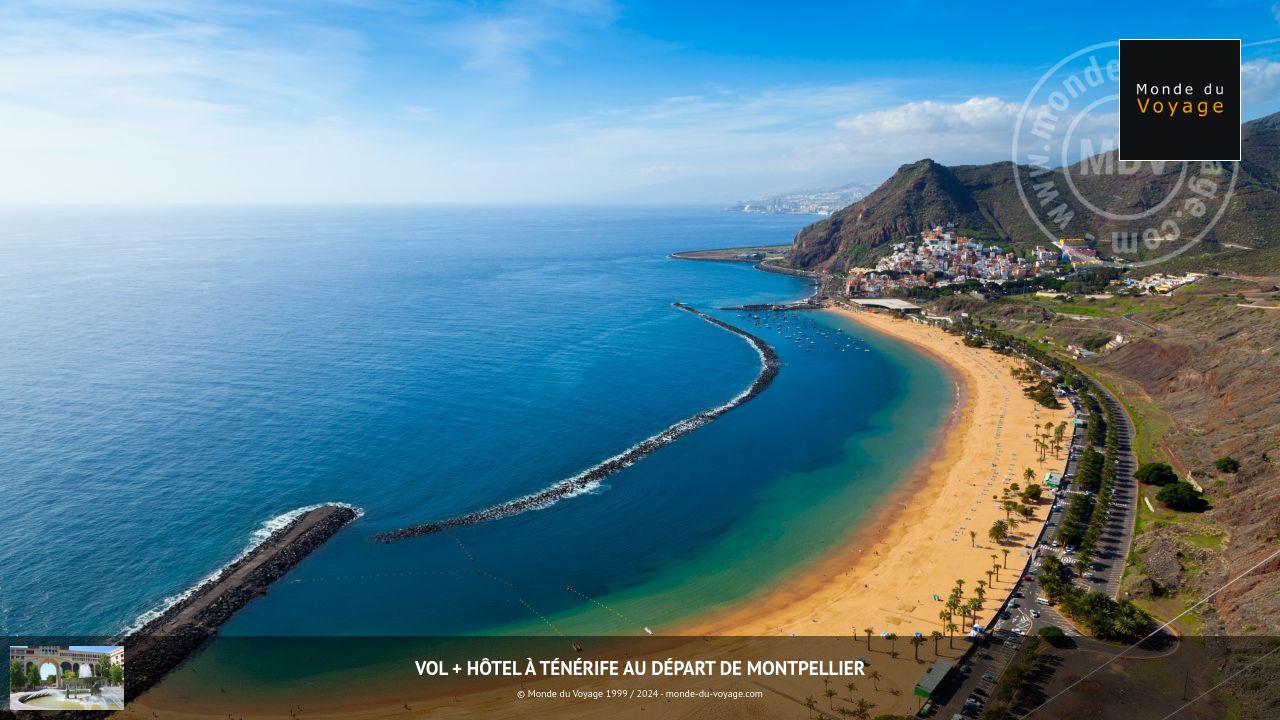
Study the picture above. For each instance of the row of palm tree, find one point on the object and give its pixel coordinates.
(860, 707)
(1050, 438)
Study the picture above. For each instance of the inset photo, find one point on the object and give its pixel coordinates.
(66, 677)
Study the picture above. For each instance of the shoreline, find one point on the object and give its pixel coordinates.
(815, 599)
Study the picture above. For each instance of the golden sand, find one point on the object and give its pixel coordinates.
(886, 577)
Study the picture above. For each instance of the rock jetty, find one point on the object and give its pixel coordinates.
(162, 644)
(590, 478)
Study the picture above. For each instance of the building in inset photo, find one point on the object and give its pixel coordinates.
(66, 677)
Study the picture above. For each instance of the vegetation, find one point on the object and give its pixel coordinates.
(1054, 635)
(1182, 496)
(1089, 472)
(1227, 464)
(1042, 392)
(17, 676)
(1156, 473)
(1076, 519)
(1031, 495)
(1105, 617)
(999, 531)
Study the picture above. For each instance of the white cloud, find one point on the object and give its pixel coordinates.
(505, 43)
(977, 114)
(1259, 81)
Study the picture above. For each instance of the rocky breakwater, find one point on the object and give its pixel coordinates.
(591, 477)
(162, 644)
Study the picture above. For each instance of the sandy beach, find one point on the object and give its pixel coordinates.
(885, 576)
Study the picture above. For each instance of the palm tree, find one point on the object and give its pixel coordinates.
(973, 538)
(810, 703)
(951, 629)
(863, 710)
(999, 531)
(868, 631)
(996, 568)
(1029, 474)
(1006, 556)
(936, 637)
(875, 678)
(831, 695)
(916, 642)
(849, 686)
(893, 644)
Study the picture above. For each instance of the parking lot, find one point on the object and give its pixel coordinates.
(1024, 615)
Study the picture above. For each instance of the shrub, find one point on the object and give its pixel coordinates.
(1181, 496)
(1053, 635)
(1227, 464)
(1156, 474)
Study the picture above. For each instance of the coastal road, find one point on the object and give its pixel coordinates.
(1016, 619)
(1108, 564)
(1117, 537)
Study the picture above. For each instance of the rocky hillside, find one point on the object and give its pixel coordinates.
(984, 200)
(1199, 373)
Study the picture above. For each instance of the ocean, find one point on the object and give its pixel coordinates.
(177, 380)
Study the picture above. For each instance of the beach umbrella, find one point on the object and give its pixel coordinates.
(884, 634)
(918, 634)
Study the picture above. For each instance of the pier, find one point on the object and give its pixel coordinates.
(158, 647)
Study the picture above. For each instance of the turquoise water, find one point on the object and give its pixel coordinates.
(174, 378)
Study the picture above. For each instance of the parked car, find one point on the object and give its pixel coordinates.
(1035, 613)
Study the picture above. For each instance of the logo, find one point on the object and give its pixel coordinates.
(1098, 209)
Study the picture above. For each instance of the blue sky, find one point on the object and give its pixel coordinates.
(138, 101)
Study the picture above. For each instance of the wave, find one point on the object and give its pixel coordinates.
(590, 479)
(268, 528)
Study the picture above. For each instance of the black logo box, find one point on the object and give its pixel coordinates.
(1187, 65)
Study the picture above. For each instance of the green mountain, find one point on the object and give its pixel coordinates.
(983, 201)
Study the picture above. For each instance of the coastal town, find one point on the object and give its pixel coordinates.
(943, 257)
